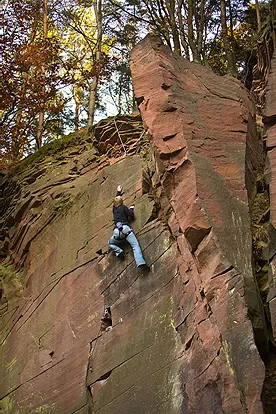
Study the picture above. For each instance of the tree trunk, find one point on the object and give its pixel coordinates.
(175, 34)
(77, 114)
(191, 39)
(231, 67)
(232, 40)
(40, 129)
(258, 13)
(41, 114)
(201, 29)
(94, 85)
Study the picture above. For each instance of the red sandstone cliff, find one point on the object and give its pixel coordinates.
(183, 335)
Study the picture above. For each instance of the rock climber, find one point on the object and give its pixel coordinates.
(122, 215)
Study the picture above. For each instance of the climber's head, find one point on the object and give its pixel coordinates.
(118, 201)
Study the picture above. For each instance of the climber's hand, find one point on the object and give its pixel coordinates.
(131, 207)
(119, 188)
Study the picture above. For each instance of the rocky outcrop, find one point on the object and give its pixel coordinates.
(264, 90)
(56, 215)
(269, 250)
(202, 131)
(182, 337)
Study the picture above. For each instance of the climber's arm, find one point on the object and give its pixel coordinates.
(130, 212)
(119, 190)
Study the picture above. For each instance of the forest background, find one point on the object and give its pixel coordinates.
(65, 65)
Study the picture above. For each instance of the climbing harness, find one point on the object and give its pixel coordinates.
(120, 137)
(119, 234)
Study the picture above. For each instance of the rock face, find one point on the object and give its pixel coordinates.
(264, 83)
(181, 338)
(201, 129)
(270, 174)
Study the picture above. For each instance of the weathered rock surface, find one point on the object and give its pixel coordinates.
(270, 173)
(202, 131)
(182, 340)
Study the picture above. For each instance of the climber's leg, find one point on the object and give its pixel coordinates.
(114, 245)
(137, 252)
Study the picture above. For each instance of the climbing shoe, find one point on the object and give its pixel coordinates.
(144, 267)
(121, 255)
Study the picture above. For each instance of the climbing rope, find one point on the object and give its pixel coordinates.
(120, 137)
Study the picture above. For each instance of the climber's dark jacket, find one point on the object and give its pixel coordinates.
(122, 214)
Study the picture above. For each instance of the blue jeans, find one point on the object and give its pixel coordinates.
(114, 244)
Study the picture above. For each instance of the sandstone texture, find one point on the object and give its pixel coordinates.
(270, 175)
(182, 338)
(202, 132)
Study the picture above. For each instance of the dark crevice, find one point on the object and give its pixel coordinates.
(170, 108)
(195, 236)
(238, 131)
(89, 396)
(263, 233)
(269, 121)
(202, 294)
(103, 377)
(189, 343)
(168, 137)
(224, 272)
(263, 252)
(89, 399)
(155, 209)
(81, 409)
(139, 100)
(171, 154)
(268, 395)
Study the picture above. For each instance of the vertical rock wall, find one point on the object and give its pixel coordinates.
(269, 251)
(202, 131)
(182, 340)
(263, 87)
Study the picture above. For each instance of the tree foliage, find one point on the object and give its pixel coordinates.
(25, 89)
(62, 62)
